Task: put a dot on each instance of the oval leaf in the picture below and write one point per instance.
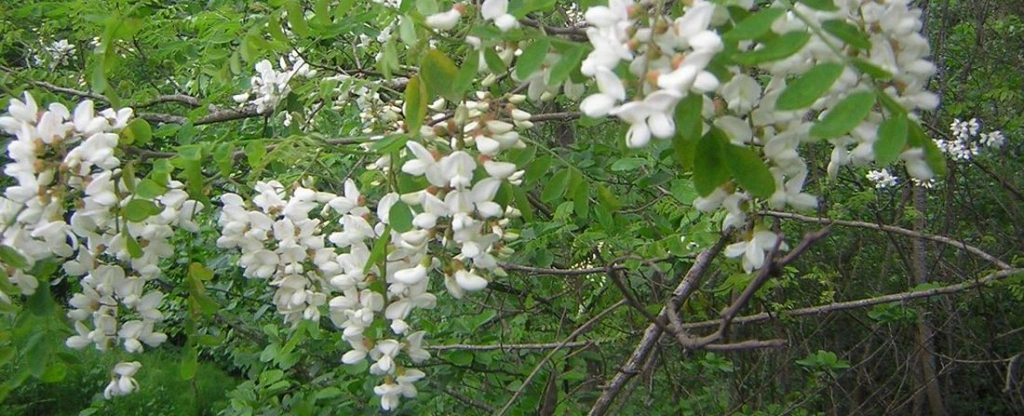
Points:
(804, 91)
(845, 115)
(556, 187)
(754, 26)
(750, 171)
(779, 48)
(415, 104)
(892, 138)
(709, 165)
(437, 71)
(532, 58)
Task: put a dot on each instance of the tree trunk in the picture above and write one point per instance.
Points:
(926, 382)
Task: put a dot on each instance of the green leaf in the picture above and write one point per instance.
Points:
(750, 171)
(328, 393)
(149, 189)
(132, 245)
(581, 199)
(845, 115)
(41, 302)
(407, 32)
(892, 138)
(379, 251)
(823, 5)
(415, 104)
(98, 80)
(872, 70)
(200, 272)
(464, 79)
(689, 124)
(462, 358)
(37, 353)
(138, 210)
(917, 137)
(254, 152)
(848, 33)
(54, 372)
(804, 91)
(776, 49)
(297, 18)
(139, 132)
(566, 64)
(437, 71)
(608, 198)
(189, 363)
(710, 168)
(555, 188)
(400, 217)
(537, 168)
(755, 25)
(629, 163)
(532, 58)
(12, 257)
(494, 62)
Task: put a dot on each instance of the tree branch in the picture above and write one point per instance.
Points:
(896, 230)
(861, 303)
(583, 328)
(510, 347)
(653, 332)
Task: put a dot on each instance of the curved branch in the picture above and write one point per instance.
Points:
(509, 347)
(860, 303)
(896, 230)
(653, 332)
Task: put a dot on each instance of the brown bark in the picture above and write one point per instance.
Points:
(926, 383)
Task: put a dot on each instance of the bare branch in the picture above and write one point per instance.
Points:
(896, 230)
(510, 347)
(654, 332)
(583, 328)
(861, 303)
(171, 98)
(462, 398)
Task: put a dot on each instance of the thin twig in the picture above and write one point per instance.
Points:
(860, 303)
(509, 347)
(574, 334)
(653, 332)
(897, 230)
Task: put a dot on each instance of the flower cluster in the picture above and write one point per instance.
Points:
(269, 85)
(881, 178)
(968, 140)
(116, 236)
(672, 55)
(322, 250)
(59, 52)
(645, 64)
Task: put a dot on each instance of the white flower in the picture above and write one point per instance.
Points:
(122, 381)
(497, 10)
(881, 178)
(444, 20)
(753, 251)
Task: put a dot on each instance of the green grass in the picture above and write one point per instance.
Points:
(163, 392)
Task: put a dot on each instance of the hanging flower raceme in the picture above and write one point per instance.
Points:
(114, 240)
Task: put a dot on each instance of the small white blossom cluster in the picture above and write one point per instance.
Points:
(269, 85)
(59, 52)
(968, 140)
(114, 240)
(882, 178)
